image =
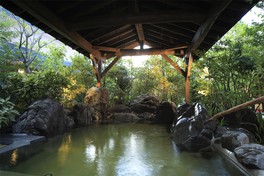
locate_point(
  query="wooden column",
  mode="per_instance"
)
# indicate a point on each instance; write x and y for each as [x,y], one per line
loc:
[99,63]
[97,66]
[187,80]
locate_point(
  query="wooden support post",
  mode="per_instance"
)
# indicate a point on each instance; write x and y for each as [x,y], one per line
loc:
[96,70]
[99,63]
[187,80]
[175,65]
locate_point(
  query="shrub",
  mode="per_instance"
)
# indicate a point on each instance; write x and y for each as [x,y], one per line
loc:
[28,88]
[260,129]
[7,112]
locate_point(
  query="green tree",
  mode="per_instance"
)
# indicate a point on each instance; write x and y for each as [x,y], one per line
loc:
[81,70]
[30,42]
[118,81]
[55,58]
[235,68]
[6,35]
[159,78]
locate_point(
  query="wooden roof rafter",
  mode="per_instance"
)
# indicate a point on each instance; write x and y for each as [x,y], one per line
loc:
[90,10]
[106,26]
[136,18]
[205,27]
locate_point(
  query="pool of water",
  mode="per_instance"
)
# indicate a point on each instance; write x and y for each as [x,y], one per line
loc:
[120,150]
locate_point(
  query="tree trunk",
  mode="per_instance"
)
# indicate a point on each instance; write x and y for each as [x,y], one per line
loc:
[27,69]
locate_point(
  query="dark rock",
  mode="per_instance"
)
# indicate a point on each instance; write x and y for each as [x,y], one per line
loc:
[141,108]
[44,117]
[119,108]
[82,114]
[233,139]
[220,130]
[166,112]
[145,99]
[145,107]
[250,155]
[183,109]
[189,131]
[245,118]
[146,116]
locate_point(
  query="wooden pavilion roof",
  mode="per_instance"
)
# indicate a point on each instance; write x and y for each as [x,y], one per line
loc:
[107,28]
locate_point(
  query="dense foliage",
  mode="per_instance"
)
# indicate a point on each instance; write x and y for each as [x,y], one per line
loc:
[235,68]
[159,78]
[25,89]
[7,112]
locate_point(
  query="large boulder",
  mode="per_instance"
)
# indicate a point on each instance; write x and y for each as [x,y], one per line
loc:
[189,131]
[166,112]
[250,155]
[145,99]
[120,108]
[145,107]
[235,138]
[244,118]
[44,117]
[82,114]
[98,99]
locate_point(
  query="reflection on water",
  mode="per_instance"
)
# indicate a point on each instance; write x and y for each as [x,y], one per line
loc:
[14,157]
[120,150]
[64,149]
[134,158]
[90,153]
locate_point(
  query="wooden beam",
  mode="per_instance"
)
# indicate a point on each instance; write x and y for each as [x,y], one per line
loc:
[113,37]
[140,32]
[175,65]
[158,41]
[99,64]
[110,66]
[91,9]
[167,36]
[215,11]
[187,80]
[135,52]
[42,13]
[117,40]
[172,30]
[64,6]
[177,47]
[169,39]
[139,27]
[130,45]
[136,18]
[126,46]
[96,72]
[104,48]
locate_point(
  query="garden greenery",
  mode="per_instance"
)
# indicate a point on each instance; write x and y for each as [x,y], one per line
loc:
[7,112]
[25,89]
